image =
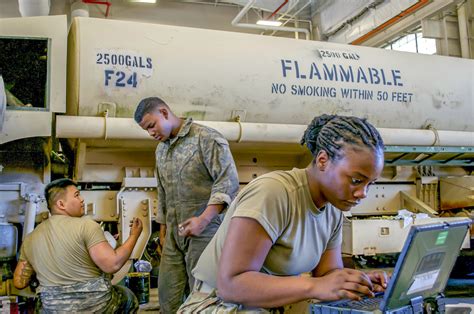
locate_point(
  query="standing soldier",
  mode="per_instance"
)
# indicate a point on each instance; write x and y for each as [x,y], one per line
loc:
[197,180]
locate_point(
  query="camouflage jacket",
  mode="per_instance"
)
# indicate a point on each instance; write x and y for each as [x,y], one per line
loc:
[194,169]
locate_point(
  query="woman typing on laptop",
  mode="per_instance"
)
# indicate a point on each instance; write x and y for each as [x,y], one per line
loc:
[286,223]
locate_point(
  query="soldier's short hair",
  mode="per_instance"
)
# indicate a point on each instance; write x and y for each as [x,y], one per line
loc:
[148,105]
[56,189]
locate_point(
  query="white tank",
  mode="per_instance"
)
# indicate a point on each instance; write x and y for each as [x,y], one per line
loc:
[215,75]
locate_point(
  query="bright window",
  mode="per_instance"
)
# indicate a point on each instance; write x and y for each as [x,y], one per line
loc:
[413,43]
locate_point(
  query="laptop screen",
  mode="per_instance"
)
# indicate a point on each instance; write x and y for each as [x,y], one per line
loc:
[425,262]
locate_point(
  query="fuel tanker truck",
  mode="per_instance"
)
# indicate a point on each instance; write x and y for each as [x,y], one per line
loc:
[260,92]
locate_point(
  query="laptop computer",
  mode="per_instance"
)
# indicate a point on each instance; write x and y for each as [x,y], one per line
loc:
[421,272]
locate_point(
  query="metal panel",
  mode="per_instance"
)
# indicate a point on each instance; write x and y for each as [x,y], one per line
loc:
[22,123]
[456,192]
[54,28]
[381,236]
[101,205]
[383,199]
[429,156]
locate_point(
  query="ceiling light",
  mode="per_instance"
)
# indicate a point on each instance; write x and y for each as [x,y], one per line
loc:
[269,23]
[142,1]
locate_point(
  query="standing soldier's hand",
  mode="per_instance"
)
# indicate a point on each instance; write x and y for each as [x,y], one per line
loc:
[136,226]
[192,226]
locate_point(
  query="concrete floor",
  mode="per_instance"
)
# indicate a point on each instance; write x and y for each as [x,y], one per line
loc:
[152,306]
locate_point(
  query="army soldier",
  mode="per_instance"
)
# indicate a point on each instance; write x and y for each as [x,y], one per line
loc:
[197,179]
[286,223]
[70,256]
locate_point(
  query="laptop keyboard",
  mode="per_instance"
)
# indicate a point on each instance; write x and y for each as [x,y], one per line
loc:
[368,304]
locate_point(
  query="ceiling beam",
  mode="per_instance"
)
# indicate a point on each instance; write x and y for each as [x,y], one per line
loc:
[409,22]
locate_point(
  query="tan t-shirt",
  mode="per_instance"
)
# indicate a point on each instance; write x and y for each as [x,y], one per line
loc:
[281,202]
[58,250]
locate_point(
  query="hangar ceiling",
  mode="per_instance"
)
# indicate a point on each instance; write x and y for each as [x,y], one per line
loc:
[342,21]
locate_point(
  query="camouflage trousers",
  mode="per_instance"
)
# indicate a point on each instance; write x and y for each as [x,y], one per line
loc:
[93,296]
[125,302]
[180,255]
[209,303]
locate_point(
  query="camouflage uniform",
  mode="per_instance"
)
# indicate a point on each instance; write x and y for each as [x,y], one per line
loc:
[93,296]
[194,169]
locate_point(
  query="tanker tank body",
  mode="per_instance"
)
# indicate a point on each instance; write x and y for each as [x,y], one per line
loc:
[260,92]
[209,74]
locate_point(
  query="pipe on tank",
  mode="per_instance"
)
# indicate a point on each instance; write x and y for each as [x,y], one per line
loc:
[34,7]
[79,9]
[127,129]
[32,201]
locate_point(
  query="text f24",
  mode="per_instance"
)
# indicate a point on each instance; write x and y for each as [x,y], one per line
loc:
[120,79]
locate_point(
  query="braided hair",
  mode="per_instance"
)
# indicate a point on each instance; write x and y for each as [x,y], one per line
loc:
[331,132]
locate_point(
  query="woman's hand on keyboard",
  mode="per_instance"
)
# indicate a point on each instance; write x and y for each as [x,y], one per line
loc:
[379,280]
[344,283]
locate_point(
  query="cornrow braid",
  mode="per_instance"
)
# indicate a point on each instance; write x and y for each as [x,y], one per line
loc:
[331,132]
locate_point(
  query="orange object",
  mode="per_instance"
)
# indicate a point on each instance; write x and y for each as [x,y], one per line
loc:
[393,20]
[278,9]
